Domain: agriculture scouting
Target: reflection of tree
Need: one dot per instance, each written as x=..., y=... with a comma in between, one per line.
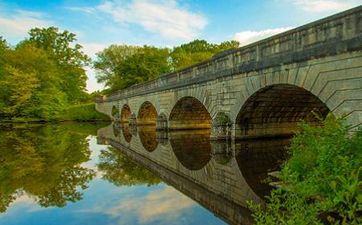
x=43, y=162
x=120, y=170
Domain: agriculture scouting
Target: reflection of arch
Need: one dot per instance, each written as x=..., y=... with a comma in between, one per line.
x=275, y=110
x=192, y=148
x=148, y=138
x=162, y=123
x=125, y=114
x=257, y=157
x=221, y=152
x=147, y=114
x=126, y=132
x=189, y=113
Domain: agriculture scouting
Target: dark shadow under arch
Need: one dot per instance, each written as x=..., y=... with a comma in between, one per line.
x=125, y=113
x=189, y=113
x=276, y=110
x=147, y=114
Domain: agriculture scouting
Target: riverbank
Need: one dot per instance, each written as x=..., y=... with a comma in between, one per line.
x=79, y=113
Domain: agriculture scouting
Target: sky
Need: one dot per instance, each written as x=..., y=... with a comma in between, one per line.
x=162, y=23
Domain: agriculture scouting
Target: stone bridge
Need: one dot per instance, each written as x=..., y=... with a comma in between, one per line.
x=263, y=89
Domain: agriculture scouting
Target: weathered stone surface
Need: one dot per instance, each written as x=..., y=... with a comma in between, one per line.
x=323, y=58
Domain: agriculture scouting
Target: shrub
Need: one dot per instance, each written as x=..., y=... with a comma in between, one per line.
x=321, y=180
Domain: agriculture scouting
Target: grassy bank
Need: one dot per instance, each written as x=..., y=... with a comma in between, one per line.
x=80, y=113
x=84, y=112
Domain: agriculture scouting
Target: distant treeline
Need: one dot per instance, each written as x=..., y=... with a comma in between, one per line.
x=120, y=66
x=43, y=76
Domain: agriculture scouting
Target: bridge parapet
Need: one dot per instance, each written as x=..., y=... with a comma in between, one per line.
x=329, y=36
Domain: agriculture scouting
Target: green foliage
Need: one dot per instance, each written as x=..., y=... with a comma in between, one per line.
x=119, y=170
x=68, y=56
x=42, y=75
x=83, y=112
x=197, y=51
x=322, y=179
x=45, y=163
x=121, y=66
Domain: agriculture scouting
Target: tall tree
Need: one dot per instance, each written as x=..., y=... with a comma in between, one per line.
x=197, y=51
x=121, y=66
x=68, y=55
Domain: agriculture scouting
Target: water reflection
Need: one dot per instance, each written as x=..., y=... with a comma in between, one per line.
x=126, y=132
x=148, y=138
x=119, y=170
x=192, y=149
x=257, y=158
x=222, y=151
x=35, y=163
x=53, y=165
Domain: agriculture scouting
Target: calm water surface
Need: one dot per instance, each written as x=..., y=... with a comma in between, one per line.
x=69, y=174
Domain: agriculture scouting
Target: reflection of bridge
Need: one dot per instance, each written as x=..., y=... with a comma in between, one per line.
x=262, y=89
x=216, y=174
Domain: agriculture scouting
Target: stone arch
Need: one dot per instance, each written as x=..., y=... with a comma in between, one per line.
x=275, y=110
x=147, y=114
x=125, y=113
x=189, y=113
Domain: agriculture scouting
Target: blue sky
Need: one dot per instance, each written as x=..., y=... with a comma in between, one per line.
x=99, y=23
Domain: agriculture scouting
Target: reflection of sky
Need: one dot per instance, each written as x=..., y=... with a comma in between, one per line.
x=104, y=203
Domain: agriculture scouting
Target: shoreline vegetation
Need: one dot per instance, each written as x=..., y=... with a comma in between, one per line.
x=77, y=113
x=321, y=182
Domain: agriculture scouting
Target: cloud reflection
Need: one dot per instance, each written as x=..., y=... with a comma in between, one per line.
x=161, y=206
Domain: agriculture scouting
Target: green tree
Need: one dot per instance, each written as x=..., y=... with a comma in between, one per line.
x=197, y=51
x=30, y=83
x=68, y=55
x=122, y=66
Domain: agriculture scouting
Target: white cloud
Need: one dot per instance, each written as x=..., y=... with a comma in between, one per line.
x=250, y=36
x=20, y=22
x=319, y=6
x=92, y=48
x=166, y=18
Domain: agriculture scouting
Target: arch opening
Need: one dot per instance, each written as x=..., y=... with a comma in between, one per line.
x=147, y=114
x=125, y=114
x=276, y=110
x=189, y=113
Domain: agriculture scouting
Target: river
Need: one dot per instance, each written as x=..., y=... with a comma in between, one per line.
x=84, y=173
